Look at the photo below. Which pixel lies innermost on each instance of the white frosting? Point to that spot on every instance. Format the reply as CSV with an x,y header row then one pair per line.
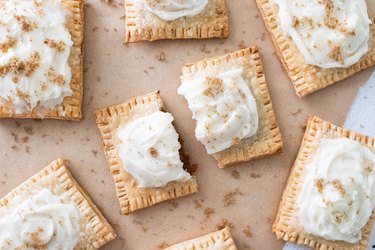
x,y
149,150
169,10
338,193
39,32
223,106
41,222
329,33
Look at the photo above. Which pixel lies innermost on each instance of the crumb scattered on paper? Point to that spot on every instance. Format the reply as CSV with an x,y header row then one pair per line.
x,y
224,223
235,174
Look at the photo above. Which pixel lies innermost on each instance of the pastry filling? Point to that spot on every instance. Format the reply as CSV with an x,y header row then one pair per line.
x,y
35,47
149,150
337,195
43,221
328,33
223,106
170,10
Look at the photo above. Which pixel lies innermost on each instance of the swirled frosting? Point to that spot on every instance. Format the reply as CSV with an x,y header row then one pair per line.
x,y
328,33
149,150
338,193
169,10
42,221
223,106
34,51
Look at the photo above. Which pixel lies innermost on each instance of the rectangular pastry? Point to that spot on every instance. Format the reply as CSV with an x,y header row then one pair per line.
x,y
149,20
41,70
328,202
320,42
230,102
51,211
218,240
144,153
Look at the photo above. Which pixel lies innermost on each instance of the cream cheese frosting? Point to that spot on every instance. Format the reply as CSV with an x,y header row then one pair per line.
x,y
170,10
149,150
223,106
35,47
338,192
42,221
328,33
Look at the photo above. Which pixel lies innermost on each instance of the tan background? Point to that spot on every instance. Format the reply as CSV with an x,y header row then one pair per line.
x,y
114,73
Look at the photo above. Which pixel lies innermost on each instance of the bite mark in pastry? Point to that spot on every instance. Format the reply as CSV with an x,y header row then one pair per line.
x,y
144,152
229,99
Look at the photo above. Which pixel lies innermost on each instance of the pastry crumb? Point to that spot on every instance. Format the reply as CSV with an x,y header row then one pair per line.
x,y
242,45
161,57
163,245
255,175
28,130
231,197
224,223
208,212
235,174
95,152
247,232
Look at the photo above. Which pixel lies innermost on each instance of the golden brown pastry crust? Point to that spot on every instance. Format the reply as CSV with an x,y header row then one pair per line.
x,y
222,238
132,197
267,140
142,25
286,225
95,229
308,78
70,109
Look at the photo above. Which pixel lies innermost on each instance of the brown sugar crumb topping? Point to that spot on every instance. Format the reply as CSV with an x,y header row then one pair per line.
x,y
55,78
15,79
17,66
319,185
335,53
23,95
329,20
339,187
9,43
27,26
35,240
214,86
58,45
368,168
295,22
153,152
338,216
